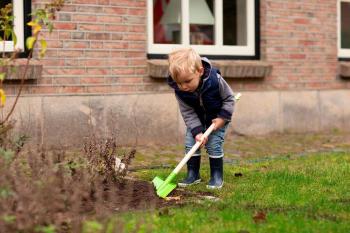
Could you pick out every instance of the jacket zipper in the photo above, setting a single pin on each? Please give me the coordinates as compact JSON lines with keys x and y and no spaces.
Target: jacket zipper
{"x":202,"y":105}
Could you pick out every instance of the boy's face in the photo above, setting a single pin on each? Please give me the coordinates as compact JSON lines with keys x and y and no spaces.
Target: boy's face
{"x":189,"y":81}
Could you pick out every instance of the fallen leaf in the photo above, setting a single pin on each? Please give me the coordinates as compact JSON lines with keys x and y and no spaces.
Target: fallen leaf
{"x":176,"y":198}
{"x":259,"y":217}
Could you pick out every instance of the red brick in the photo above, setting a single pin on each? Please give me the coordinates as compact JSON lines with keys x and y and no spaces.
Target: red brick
{"x":92,"y":80}
{"x":134,"y":37}
{"x":137,"y":45}
{"x":130,"y":80}
{"x":52,"y":62}
{"x":137,"y":28}
{"x":128,"y":3}
{"x":96,"y":45}
{"x":135,"y":54}
{"x":99,"y":89}
{"x":142,"y":71}
{"x":98,"y":36}
{"x":297,"y":56}
{"x":95,"y":54}
{"x":302,"y":21}
{"x":43,"y":90}
{"x":65,"y":26}
{"x":84,"y":17}
{"x":123,"y":71}
{"x":53,"y":44}
{"x":90,"y":9}
{"x":91,"y":27}
{"x":65,"y":80}
{"x":118,"y":62}
{"x":71,"y":89}
{"x":137,"y":11}
{"x":116,"y":28}
{"x":123,"y":89}
{"x":45,"y":81}
{"x":137,"y":62}
{"x":76,"y":44}
{"x":70,"y":53}
{"x":115,"y":10}
{"x":134,"y":19}
{"x":84,"y":1}
{"x":109,"y":19}
{"x":97,"y":71}
{"x":64,"y":35}
{"x":70,"y":72}
{"x":115,"y":45}
{"x":102,"y":2}
{"x":68,"y":8}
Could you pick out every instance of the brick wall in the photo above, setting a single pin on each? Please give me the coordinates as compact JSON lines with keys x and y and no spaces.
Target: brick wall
{"x":99,"y":46}
{"x":299,"y":38}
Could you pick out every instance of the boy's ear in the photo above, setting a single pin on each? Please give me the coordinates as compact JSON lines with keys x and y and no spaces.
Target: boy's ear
{"x":201,"y":70}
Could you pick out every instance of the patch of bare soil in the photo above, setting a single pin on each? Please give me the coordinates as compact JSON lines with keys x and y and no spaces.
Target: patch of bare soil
{"x":138,"y":195}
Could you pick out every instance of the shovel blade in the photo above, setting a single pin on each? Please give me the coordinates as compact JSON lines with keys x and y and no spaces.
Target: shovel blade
{"x":157,"y":182}
{"x":163,"y":190}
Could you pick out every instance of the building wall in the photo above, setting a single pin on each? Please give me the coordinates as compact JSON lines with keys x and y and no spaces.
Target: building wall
{"x":299,"y":38}
{"x":98,"y":50}
{"x":99,"y":46}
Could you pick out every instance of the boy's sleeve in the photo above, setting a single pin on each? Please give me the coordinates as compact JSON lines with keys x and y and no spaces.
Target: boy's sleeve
{"x":190,"y":117}
{"x":227,"y":97}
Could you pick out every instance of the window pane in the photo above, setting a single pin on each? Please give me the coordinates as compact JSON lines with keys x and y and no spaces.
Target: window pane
{"x":235,"y":22}
{"x":167,"y":21}
{"x":201,"y":22}
{"x":345,"y":25}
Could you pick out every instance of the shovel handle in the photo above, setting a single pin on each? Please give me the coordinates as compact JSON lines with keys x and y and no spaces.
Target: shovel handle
{"x":193,"y":149}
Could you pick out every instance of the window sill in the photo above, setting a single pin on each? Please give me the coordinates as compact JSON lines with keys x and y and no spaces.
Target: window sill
{"x":344,"y":70}
{"x":229,"y":69}
{"x":16,"y":71}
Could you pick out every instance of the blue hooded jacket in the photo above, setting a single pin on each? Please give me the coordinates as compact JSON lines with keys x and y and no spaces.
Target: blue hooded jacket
{"x":212,"y":99}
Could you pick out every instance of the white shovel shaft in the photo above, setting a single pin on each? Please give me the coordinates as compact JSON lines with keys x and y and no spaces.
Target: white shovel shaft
{"x":193,"y":149}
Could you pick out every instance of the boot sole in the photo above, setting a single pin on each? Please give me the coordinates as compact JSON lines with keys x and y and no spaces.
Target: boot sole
{"x":183,"y":185}
{"x":215,"y":187}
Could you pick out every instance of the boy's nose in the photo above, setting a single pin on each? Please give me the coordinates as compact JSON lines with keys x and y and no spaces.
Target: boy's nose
{"x":183,"y":87}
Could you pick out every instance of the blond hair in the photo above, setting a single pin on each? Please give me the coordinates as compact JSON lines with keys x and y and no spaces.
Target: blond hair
{"x":183,"y":60}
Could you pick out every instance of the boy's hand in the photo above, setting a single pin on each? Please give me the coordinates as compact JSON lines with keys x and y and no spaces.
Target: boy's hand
{"x":199,"y":137}
{"x":219,"y":122}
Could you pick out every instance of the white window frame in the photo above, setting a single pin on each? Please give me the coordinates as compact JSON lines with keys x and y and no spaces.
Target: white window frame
{"x":18,"y":10}
{"x":218,"y":48}
{"x":342,"y":53}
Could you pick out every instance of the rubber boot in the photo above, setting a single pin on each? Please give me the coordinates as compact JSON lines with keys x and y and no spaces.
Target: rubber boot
{"x":193,"y":176}
{"x":216,"y":173}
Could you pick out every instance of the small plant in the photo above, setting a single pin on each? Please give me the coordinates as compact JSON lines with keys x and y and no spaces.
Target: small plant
{"x":103,"y":159}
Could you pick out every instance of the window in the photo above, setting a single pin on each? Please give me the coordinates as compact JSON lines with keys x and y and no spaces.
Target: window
{"x":212,"y":27}
{"x":344,"y":28}
{"x":21,"y":11}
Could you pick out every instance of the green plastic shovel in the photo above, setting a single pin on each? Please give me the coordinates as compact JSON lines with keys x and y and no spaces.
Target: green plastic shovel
{"x":164,"y":187}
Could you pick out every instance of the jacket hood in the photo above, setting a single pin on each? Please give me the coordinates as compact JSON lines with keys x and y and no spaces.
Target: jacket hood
{"x":207,"y":69}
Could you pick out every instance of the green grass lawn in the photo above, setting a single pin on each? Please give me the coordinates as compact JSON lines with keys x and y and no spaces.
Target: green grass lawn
{"x":309,"y":193}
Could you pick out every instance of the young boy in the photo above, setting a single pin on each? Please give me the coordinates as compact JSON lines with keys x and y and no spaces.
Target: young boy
{"x":204,"y":98}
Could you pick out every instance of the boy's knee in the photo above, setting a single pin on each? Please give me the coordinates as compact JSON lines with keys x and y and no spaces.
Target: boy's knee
{"x":215,"y":150}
